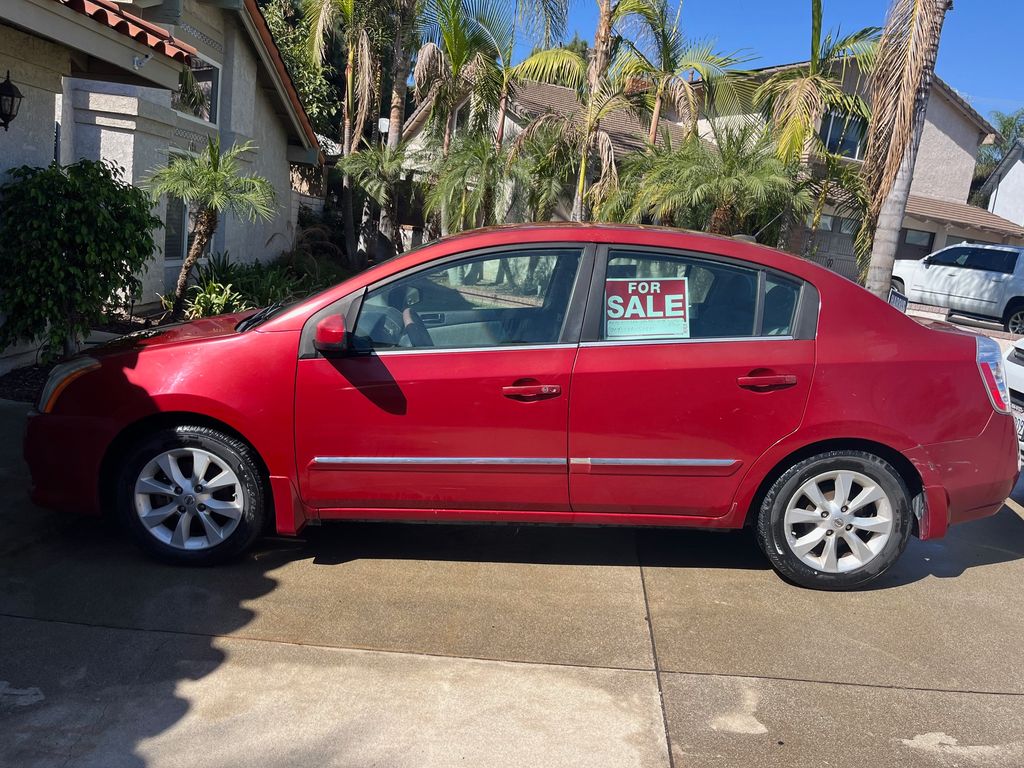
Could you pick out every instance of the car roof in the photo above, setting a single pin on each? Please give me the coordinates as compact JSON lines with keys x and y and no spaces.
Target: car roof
{"x":988,"y":246}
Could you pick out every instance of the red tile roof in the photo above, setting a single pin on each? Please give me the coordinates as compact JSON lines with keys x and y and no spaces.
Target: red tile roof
{"x":140,"y":30}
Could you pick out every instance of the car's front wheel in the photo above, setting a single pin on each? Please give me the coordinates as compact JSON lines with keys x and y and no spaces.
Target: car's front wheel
{"x":836,"y":520}
{"x":191,"y":494}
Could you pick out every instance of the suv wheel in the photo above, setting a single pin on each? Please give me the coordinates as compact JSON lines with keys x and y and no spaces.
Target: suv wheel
{"x":898,"y":286}
{"x":1014,"y":322}
{"x":192,"y":495}
{"x":836,"y":520}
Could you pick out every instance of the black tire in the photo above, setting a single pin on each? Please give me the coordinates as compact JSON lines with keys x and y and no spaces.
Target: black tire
{"x":771,"y":528}
{"x":898,"y":285}
{"x":1014,"y":317}
{"x":235,"y":454}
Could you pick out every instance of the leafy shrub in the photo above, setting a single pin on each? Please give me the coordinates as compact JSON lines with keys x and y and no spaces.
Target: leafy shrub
{"x":223,"y":285}
{"x":72,"y":241}
{"x":210,"y":299}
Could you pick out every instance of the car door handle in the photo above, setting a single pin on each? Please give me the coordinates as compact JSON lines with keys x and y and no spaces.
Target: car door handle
{"x":531,"y":391}
{"x":767,"y":381}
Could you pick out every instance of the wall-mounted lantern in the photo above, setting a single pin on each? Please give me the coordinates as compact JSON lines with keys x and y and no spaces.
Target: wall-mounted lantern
{"x":10,"y":101}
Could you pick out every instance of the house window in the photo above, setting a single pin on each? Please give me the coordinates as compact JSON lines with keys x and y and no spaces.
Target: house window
{"x":176,"y":229}
{"x":200,"y":91}
{"x":918,"y":237}
{"x":843,"y":134}
{"x":179,"y":230}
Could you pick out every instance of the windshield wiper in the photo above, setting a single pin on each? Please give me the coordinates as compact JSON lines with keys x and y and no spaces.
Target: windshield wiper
{"x":260,"y":317}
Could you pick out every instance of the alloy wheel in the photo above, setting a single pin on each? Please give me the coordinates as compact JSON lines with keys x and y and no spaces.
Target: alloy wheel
{"x":1015,"y":324}
{"x":838,"y":521}
{"x":189,"y":498}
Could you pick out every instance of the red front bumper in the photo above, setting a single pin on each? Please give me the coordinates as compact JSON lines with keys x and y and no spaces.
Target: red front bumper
{"x":64,"y":454}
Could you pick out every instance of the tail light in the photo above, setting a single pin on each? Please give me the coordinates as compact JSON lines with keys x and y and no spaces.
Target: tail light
{"x":990,"y":364}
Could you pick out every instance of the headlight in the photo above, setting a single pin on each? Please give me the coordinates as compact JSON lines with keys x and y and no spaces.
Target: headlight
{"x":61,"y":376}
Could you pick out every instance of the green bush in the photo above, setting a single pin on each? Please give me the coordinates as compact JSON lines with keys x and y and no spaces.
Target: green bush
{"x":214,"y":299}
{"x":223,"y":285}
{"x":72,"y":241}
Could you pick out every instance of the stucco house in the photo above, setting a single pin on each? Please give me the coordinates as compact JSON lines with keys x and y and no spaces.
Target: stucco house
{"x":937,"y":213}
{"x":1005,"y":186}
{"x":44,"y":44}
{"x":101,"y":80}
{"x":248,"y":97}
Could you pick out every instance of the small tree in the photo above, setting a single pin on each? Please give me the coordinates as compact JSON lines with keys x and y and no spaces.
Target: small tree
{"x":211,"y":184}
{"x":72,"y":241}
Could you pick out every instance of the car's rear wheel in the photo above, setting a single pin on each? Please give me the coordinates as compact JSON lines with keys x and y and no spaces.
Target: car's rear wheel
{"x":192,"y":494}
{"x":1014,"y":320}
{"x":897,"y":284}
{"x":836,"y":520}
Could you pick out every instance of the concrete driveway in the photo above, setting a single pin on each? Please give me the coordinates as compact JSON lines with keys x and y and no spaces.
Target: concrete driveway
{"x":382,"y":645}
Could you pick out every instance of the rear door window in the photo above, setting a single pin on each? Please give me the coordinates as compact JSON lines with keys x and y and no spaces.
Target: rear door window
{"x":667,"y":296}
{"x":992,"y":260}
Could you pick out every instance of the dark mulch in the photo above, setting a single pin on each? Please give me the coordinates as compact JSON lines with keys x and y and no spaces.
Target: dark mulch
{"x":24,"y":384}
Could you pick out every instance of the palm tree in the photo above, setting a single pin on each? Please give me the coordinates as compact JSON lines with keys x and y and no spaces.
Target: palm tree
{"x":378,"y":170}
{"x":211,"y":184}
{"x":473,"y":178}
{"x":581,"y":128}
{"x":456,"y":62}
{"x":899,"y":86}
{"x":665,"y":62}
{"x":722,"y":185}
{"x":345,"y":19}
{"x":543,"y":170}
{"x":795,"y":98}
{"x":405,"y":14}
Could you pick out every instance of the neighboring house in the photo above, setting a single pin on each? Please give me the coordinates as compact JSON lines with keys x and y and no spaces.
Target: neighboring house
{"x":1005,"y":187}
{"x":248,"y":97}
{"x":43,"y":44}
{"x":937,"y":211}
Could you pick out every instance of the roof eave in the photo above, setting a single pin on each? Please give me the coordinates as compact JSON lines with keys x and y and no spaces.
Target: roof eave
{"x":259,"y":33}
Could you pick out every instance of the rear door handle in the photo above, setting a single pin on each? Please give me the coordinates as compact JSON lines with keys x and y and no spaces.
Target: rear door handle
{"x":767,"y":381}
{"x":531,"y":391}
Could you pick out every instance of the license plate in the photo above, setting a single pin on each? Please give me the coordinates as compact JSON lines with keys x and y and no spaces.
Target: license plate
{"x":1018,"y":419}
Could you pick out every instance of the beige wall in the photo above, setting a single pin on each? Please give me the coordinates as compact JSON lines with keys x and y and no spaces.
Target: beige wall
{"x":947,"y":154}
{"x":36,"y":68}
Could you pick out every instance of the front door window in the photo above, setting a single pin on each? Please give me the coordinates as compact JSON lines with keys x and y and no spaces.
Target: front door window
{"x":508,"y":299}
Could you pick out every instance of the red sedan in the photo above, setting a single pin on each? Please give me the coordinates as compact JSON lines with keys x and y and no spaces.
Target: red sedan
{"x":545,"y":374}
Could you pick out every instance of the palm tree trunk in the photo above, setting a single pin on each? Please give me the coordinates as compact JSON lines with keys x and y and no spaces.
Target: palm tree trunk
{"x":721,"y":220}
{"x":206,"y":223}
{"x":652,"y":135}
{"x":449,"y":125}
{"x":581,"y":187}
{"x":401,"y":62}
{"x":347,"y":214}
{"x":499,"y":135}
{"x":885,"y":239}
{"x":601,"y":56}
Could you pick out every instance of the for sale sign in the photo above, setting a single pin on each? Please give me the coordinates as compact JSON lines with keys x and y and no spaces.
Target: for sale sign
{"x":646,"y":309}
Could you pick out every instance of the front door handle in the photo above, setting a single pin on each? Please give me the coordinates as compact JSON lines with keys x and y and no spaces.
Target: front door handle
{"x":531,"y":391}
{"x":767,"y":381}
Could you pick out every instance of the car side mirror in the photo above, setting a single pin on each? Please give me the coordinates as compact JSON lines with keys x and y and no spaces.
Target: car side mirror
{"x":331,"y":337}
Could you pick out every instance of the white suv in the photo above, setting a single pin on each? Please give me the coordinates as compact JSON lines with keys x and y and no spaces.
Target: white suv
{"x":985,"y":281}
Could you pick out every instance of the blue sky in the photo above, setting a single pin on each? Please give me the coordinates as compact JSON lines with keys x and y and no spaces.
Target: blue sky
{"x":981,"y":54}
